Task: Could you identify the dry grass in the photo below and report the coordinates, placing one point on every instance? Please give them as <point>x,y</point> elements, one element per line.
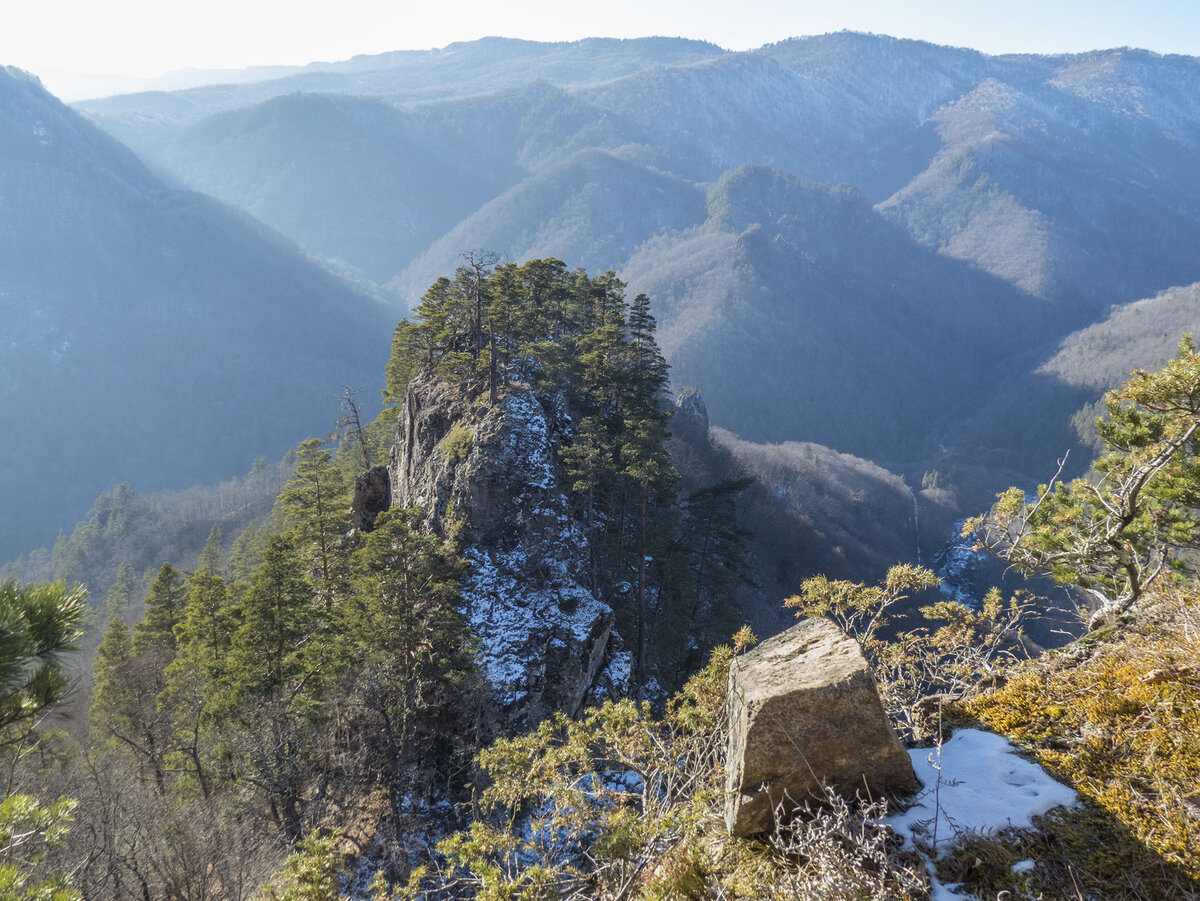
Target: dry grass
<point>1117,717</point>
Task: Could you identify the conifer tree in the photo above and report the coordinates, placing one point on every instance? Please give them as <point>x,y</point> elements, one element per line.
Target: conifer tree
<point>38,624</point>
<point>247,551</point>
<point>1113,533</point>
<point>408,644</point>
<point>114,649</point>
<point>195,675</point>
<point>277,618</point>
<point>211,559</point>
<point>164,610</point>
<point>314,506</point>
<point>269,700</point>
<point>120,594</point>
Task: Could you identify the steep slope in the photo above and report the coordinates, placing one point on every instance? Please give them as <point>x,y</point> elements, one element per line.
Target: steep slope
<point>364,183</point>
<point>809,510</point>
<point>151,336</point>
<point>874,360</point>
<point>1140,335</point>
<point>591,209</point>
<point>1016,199</point>
<point>545,639</point>
<point>840,108</point>
<point>374,185</point>
<point>1047,412</point>
<point>1068,187</point>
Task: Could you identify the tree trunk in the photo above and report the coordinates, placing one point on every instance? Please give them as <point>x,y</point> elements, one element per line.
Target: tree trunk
<point>641,595</point>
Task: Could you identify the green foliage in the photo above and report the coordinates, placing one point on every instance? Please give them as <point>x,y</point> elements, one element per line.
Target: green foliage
<point>540,326</point>
<point>1114,533</point>
<point>410,652</point>
<point>120,594</point>
<point>860,610</point>
<point>28,831</point>
<point>939,659</point>
<point>314,506</point>
<point>143,531</point>
<point>38,624</point>
<point>310,874</point>
<point>211,559</point>
<point>604,795</point>
<point>622,804</point>
<point>164,611</point>
<point>458,443</point>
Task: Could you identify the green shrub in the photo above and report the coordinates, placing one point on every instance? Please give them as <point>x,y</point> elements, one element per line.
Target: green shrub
<point>458,443</point>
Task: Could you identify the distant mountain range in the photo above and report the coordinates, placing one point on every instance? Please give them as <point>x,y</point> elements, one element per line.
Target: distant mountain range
<point>891,248</point>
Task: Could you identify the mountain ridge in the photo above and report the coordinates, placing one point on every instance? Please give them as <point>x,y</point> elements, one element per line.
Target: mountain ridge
<point>154,336</point>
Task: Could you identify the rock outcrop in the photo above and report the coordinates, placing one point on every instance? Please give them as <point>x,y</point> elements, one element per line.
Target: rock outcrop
<point>490,474</point>
<point>372,495</point>
<point>805,711</point>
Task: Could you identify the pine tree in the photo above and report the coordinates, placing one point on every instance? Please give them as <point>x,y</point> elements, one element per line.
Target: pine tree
<point>195,675</point>
<point>164,610</point>
<point>211,559</point>
<point>120,594</point>
<point>1113,533</point>
<point>247,551</point>
<point>314,506</point>
<point>408,644</point>
<point>38,624</point>
<point>278,616</point>
<point>268,704</point>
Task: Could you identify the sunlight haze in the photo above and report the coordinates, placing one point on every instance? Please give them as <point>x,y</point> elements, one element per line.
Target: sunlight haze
<point>148,38</point>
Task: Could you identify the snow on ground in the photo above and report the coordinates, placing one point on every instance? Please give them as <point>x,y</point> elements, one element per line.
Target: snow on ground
<point>976,783</point>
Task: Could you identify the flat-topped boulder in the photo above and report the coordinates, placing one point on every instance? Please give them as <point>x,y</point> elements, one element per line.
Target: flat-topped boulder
<point>805,710</point>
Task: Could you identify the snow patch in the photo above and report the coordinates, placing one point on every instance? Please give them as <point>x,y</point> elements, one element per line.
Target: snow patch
<point>976,784</point>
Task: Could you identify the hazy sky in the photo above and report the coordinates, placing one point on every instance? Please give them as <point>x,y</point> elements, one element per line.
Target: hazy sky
<point>151,37</point>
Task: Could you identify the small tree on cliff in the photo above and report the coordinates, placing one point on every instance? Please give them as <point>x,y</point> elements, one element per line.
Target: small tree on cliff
<point>1113,533</point>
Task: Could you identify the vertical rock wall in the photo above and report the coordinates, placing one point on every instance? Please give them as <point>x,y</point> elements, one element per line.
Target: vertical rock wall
<point>491,474</point>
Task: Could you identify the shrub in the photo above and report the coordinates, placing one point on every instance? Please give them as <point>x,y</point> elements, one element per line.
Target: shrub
<point>1120,722</point>
<point>458,443</point>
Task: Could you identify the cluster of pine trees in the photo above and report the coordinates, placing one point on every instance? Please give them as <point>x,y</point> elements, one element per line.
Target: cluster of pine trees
<point>309,669</point>
<point>249,703</point>
<point>669,565</point>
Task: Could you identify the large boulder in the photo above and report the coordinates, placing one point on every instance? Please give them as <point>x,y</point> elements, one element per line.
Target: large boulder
<point>805,711</point>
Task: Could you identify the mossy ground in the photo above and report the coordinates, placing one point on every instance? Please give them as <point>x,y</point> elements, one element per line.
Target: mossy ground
<point>1116,717</point>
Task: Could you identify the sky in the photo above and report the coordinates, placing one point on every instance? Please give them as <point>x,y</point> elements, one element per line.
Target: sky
<point>147,38</point>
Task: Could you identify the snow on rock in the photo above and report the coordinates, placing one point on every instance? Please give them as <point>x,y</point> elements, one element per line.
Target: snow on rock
<point>540,648</point>
<point>977,784</point>
<point>957,564</point>
<point>544,638</point>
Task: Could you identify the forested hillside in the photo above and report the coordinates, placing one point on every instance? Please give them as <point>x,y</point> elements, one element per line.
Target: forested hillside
<point>151,335</point>
<point>985,208</point>
<point>824,300</point>
<point>329,704</point>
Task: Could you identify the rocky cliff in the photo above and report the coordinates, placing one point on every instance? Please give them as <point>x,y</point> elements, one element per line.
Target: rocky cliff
<point>491,474</point>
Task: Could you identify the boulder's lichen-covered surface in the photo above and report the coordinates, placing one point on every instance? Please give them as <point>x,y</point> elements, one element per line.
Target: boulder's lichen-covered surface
<point>804,711</point>
<point>491,473</point>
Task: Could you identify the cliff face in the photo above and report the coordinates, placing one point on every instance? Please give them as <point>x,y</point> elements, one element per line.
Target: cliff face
<point>492,474</point>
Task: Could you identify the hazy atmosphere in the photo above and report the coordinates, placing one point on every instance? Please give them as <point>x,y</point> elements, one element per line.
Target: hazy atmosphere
<point>146,38</point>
<point>677,451</point>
